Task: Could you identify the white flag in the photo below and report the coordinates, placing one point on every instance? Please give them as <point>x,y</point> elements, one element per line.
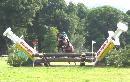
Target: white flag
<point>93,42</point>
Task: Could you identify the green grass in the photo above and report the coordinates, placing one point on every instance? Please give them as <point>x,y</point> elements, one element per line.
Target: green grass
<point>62,74</point>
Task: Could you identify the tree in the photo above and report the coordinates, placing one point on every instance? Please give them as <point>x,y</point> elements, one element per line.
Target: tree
<point>50,40</point>
<point>82,11</point>
<point>99,21</point>
<point>17,14</point>
<point>128,12</point>
<point>119,58</point>
<point>51,15</point>
<point>127,35</point>
<point>56,14</point>
<point>75,29</point>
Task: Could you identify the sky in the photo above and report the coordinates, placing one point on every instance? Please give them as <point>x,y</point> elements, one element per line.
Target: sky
<point>122,5</point>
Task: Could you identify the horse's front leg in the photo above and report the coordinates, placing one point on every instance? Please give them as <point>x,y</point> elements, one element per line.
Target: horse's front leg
<point>63,49</point>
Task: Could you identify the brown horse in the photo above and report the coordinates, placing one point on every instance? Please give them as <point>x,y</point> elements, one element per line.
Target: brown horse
<point>68,47</point>
<point>64,44</point>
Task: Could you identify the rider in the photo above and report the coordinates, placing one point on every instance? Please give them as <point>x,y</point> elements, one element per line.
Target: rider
<point>61,38</point>
<point>64,35</point>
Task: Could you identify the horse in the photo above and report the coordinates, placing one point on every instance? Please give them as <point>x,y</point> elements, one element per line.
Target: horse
<point>60,40</point>
<point>65,45</point>
<point>68,47</point>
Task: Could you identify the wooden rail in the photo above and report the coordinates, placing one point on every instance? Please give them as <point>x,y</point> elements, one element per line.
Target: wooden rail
<point>4,56</point>
<point>46,58</point>
<point>62,54</point>
<point>64,60</point>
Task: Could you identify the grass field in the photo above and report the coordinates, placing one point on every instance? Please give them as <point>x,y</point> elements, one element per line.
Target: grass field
<point>62,74</point>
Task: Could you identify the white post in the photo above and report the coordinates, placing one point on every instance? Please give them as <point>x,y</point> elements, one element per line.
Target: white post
<point>92,51</point>
<point>93,42</point>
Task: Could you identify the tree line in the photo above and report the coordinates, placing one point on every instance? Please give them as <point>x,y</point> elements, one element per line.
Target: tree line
<point>41,20</point>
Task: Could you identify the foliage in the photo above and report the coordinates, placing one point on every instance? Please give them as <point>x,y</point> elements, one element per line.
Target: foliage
<point>52,14</point>
<point>119,58</point>
<point>99,21</point>
<point>78,41</point>
<point>17,14</point>
<point>46,37</point>
<point>16,57</point>
<point>127,39</point>
<point>56,14</point>
<point>82,11</point>
<point>49,43</point>
<point>76,22</point>
<point>82,25</point>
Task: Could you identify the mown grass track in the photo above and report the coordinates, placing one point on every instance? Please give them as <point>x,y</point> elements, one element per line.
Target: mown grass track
<point>62,74</point>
